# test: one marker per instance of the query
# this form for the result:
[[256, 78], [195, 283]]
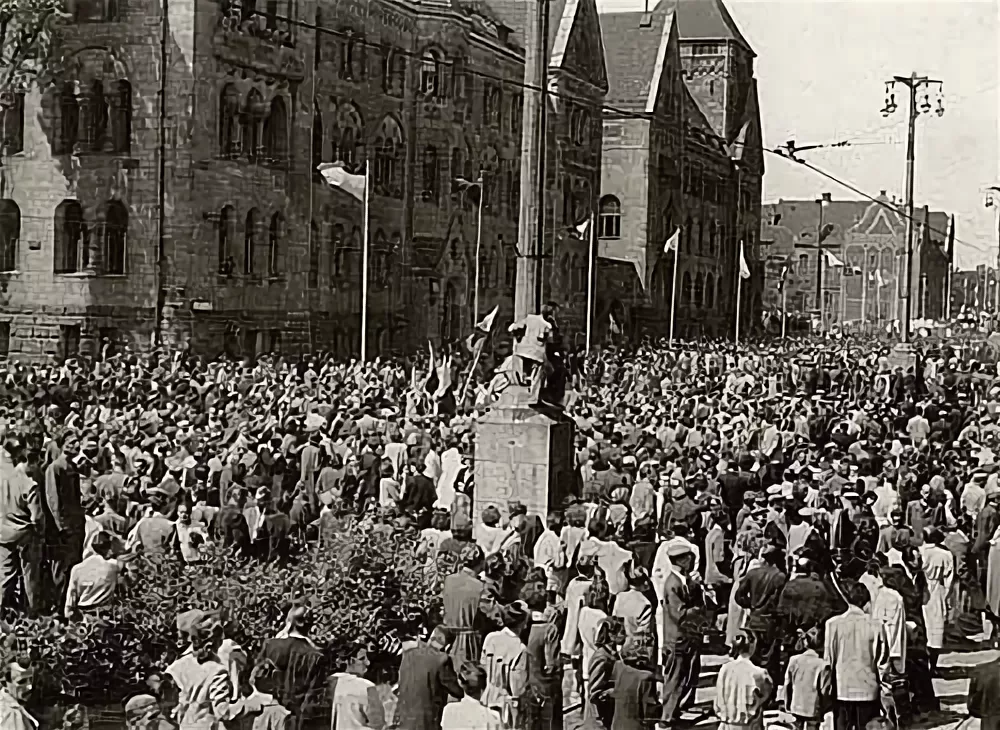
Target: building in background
[[255, 252], [682, 148], [869, 238]]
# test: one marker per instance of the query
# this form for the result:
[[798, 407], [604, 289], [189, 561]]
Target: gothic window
[[115, 220], [351, 56], [394, 72], [688, 227], [98, 116], [121, 117], [459, 82], [10, 233], [318, 55], [70, 250], [388, 148], [69, 119], [350, 146], [313, 279], [516, 114], [229, 121], [227, 231], [250, 240], [275, 233], [686, 288], [610, 220], [317, 141], [431, 174], [338, 258], [276, 131], [430, 74], [491, 104], [252, 119], [699, 290], [12, 118]]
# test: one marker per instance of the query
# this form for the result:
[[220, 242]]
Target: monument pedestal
[[903, 356], [524, 453]]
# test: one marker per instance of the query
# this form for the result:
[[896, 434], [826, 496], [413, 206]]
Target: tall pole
[[364, 270], [784, 310], [864, 288], [913, 83], [673, 293], [739, 290], [479, 246], [543, 128], [819, 262], [591, 256]]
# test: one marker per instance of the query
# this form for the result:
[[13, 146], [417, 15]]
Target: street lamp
[[913, 83]]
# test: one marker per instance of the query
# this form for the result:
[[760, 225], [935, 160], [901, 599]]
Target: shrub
[[363, 585]]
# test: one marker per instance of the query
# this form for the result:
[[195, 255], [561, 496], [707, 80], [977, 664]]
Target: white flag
[[879, 279], [744, 269], [583, 228], [673, 241], [486, 323], [336, 175], [615, 329], [832, 260]]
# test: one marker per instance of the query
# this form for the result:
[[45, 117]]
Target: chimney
[[881, 193], [826, 197]]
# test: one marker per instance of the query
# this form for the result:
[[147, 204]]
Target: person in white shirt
[[356, 704], [93, 581], [469, 713]]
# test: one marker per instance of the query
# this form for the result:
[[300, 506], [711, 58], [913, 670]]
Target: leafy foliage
[[28, 31], [364, 586]]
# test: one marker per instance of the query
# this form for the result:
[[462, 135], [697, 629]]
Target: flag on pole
[[832, 260], [673, 241], [783, 276], [443, 378], [431, 381], [481, 330], [582, 229], [335, 174], [615, 329], [744, 269], [878, 279]]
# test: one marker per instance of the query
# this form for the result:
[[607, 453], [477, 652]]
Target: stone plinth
[[523, 453], [902, 356]]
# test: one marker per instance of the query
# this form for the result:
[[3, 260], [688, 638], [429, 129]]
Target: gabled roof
[[632, 47], [706, 20]]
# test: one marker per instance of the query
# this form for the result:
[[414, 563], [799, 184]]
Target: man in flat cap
[[681, 632]]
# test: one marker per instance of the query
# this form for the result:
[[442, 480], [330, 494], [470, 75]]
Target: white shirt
[[469, 714]]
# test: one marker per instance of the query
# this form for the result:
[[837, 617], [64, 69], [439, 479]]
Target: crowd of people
[[824, 514]]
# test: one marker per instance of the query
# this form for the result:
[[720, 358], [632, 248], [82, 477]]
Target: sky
[[821, 68]]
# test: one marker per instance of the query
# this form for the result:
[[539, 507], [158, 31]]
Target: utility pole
[[531, 218], [914, 85], [993, 201]]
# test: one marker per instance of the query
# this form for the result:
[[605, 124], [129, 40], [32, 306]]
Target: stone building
[[870, 239], [682, 148], [255, 252]]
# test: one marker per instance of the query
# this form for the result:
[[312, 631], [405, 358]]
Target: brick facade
[[257, 252], [682, 148]]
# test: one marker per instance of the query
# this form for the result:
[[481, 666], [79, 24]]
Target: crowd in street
[[828, 517]]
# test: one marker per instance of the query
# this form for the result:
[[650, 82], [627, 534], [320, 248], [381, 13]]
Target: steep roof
[[707, 20], [631, 46], [514, 14]]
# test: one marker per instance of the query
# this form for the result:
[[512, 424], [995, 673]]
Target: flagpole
[[739, 292], [784, 308], [468, 378], [673, 292], [364, 272], [864, 288], [479, 244], [590, 278]]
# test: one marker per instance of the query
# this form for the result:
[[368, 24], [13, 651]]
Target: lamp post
[[914, 85]]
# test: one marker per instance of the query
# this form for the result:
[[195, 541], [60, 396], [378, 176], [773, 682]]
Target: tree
[[28, 29]]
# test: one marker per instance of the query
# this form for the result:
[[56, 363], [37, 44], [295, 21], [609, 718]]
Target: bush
[[364, 586]]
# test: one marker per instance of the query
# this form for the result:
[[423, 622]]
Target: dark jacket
[[62, 496], [637, 706], [426, 679], [300, 668]]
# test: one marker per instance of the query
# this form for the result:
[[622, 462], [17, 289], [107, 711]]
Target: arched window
[[350, 147], [313, 279], [352, 256], [121, 117], [686, 288], [229, 121], [69, 119], [338, 259], [10, 233], [227, 229], [317, 141], [430, 74], [352, 56], [115, 216], [450, 313], [709, 291], [70, 250], [276, 131], [712, 233], [431, 174], [250, 232], [98, 122], [252, 120], [688, 228], [700, 240], [396, 73], [275, 234], [699, 290], [610, 222], [388, 147]]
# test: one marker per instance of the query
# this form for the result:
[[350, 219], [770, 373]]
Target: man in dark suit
[[984, 694], [298, 661], [426, 679], [683, 624], [64, 517]]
